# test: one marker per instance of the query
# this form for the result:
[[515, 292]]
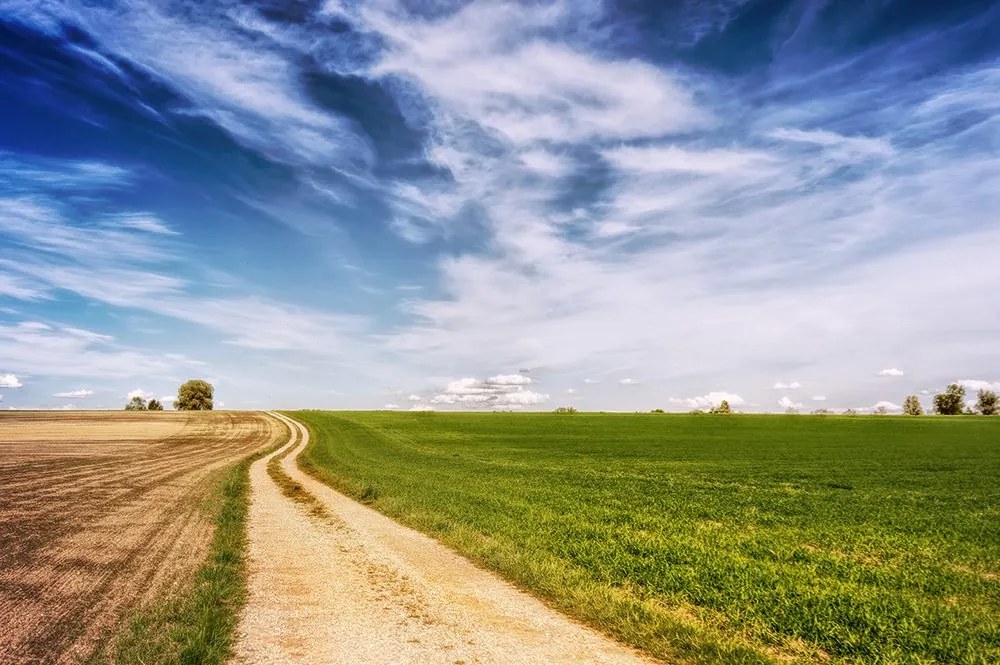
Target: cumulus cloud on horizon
[[711, 400], [979, 384], [787, 403], [501, 391]]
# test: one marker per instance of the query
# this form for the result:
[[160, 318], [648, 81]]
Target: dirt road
[[355, 587], [100, 512]]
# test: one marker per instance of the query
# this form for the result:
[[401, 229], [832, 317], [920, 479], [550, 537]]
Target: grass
[[197, 626], [293, 489], [708, 538]]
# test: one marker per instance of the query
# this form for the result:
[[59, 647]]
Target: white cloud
[[66, 351], [142, 222], [422, 407], [415, 398], [390, 407], [505, 390], [138, 392], [852, 145], [819, 398], [168, 400], [10, 381], [660, 159], [489, 63], [510, 380], [979, 384], [630, 382], [75, 394], [591, 382], [787, 402], [794, 385], [892, 371], [572, 391], [888, 406], [710, 400]]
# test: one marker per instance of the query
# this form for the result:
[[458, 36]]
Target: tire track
[[356, 587]]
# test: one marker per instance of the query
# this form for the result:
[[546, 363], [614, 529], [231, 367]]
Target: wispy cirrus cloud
[[576, 201]]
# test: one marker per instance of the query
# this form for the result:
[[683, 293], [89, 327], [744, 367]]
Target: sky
[[499, 205]]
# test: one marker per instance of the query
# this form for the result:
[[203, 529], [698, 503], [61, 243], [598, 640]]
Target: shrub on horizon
[[195, 395], [137, 403], [911, 406], [987, 403], [950, 402]]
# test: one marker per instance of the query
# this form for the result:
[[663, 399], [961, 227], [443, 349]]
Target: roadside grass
[[198, 625], [293, 489], [708, 539]]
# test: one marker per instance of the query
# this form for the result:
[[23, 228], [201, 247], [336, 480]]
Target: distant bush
[[950, 402], [137, 403], [195, 395], [986, 403], [822, 412], [564, 409], [154, 405], [723, 408], [850, 412], [911, 406], [657, 411]]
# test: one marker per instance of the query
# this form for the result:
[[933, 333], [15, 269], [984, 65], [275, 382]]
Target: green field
[[708, 538]]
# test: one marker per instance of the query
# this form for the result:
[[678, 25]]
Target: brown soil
[[101, 512]]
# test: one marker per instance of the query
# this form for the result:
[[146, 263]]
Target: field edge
[[669, 635], [198, 624]]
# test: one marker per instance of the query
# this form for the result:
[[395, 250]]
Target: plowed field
[[100, 512]]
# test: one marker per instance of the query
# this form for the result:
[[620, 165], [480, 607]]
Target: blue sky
[[456, 205]]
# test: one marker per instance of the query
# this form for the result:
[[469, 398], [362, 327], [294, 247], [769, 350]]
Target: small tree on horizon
[[564, 409], [722, 408], [137, 403], [951, 401], [195, 395], [987, 403], [911, 406], [154, 405]]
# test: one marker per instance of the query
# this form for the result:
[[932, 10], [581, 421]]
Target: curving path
[[356, 587]]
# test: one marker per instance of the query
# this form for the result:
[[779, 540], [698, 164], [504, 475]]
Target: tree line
[[949, 403], [193, 395]]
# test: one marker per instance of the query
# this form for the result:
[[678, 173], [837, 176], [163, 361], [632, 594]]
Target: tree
[[880, 410], [137, 403], [986, 403], [565, 409], [822, 412], [911, 406], [194, 395], [949, 403], [722, 408], [850, 412], [154, 405]]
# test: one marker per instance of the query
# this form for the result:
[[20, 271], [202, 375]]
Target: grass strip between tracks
[[198, 625]]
